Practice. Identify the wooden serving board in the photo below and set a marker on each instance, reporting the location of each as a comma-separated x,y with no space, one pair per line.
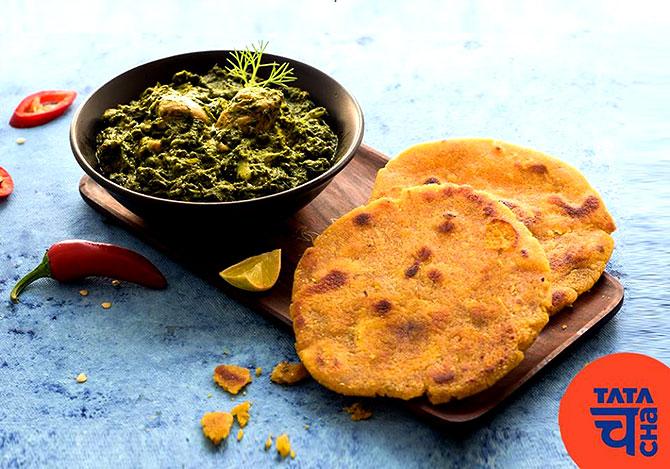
208,250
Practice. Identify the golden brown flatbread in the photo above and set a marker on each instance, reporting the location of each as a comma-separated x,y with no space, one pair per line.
437,292
550,197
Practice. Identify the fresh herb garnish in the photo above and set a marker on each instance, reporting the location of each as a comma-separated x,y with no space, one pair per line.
246,64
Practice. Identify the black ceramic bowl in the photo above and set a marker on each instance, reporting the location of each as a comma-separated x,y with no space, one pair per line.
344,116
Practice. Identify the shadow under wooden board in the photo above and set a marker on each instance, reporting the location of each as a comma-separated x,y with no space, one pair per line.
209,249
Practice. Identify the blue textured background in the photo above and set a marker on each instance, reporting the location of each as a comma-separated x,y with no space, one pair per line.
588,84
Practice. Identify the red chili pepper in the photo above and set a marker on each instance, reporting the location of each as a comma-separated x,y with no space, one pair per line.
75,259
6,183
41,107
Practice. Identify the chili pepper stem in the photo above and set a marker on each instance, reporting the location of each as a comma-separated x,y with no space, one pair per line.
41,271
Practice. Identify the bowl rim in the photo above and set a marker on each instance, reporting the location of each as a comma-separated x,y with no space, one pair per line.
306,186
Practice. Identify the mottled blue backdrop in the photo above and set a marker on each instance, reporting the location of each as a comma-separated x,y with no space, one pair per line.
585,81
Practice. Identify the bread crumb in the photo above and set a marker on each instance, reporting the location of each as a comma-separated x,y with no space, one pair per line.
306,427
259,370
292,453
268,443
232,378
81,378
83,292
358,412
240,434
106,304
283,445
564,326
288,373
20,141
116,283
209,396
216,426
241,413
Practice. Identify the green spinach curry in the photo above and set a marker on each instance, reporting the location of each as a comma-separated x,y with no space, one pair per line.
215,137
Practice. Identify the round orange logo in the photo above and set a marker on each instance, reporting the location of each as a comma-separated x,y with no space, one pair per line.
616,413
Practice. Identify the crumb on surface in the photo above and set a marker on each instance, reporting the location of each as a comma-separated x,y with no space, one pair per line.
83,292
288,373
268,443
106,304
306,427
232,378
240,434
81,378
564,326
20,141
259,371
216,426
358,412
241,413
116,283
283,445
209,396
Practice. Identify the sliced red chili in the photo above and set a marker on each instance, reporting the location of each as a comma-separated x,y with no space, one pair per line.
41,107
6,183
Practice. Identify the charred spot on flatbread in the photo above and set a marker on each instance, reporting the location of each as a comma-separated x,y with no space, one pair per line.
444,377
382,307
331,281
362,219
558,297
423,254
589,205
413,269
409,331
538,168
435,275
445,227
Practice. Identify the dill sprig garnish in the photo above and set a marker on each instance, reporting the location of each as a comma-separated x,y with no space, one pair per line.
246,64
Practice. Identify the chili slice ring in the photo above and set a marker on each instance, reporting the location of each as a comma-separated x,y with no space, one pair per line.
6,183
41,107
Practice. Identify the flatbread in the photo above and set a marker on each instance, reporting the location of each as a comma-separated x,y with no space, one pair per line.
550,197
437,292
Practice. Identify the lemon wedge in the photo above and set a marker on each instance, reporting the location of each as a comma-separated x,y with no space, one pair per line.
256,273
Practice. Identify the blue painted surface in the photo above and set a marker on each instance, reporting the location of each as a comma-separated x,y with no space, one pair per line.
587,83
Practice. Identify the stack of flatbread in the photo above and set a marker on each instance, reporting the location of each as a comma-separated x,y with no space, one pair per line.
446,276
